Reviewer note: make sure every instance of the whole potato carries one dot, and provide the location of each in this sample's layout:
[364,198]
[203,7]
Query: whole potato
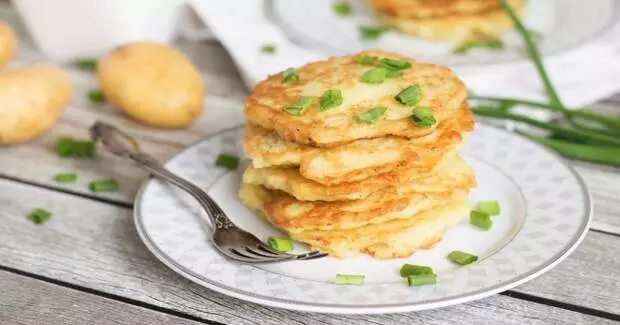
[153,83]
[31,100]
[8,43]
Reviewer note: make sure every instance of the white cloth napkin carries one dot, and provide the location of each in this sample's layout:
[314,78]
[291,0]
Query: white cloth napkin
[582,76]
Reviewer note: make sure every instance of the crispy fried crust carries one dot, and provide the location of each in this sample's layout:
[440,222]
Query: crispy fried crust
[442,91]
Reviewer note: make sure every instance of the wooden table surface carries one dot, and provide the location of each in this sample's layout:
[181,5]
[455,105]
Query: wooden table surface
[88,266]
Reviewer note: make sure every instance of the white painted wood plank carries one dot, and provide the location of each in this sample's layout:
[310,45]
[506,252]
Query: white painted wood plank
[95,245]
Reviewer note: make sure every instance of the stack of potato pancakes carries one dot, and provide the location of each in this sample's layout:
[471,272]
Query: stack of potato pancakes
[358,154]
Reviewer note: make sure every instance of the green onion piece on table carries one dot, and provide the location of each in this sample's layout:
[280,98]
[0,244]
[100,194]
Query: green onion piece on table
[290,75]
[89,64]
[268,49]
[420,280]
[300,106]
[39,216]
[409,96]
[366,60]
[423,116]
[331,98]
[343,8]
[410,269]
[370,33]
[371,116]
[480,220]
[280,244]
[66,178]
[393,64]
[489,207]
[349,279]
[96,96]
[229,162]
[374,76]
[462,258]
[69,147]
[103,185]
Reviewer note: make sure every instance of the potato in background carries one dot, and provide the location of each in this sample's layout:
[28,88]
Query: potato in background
[8,43]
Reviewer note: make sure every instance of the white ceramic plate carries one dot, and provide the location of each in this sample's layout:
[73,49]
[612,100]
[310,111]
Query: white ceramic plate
[545,206]
[563,25]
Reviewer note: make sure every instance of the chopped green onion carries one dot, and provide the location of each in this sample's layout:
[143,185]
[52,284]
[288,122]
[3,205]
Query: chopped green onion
[393,73]
[374,76]
[409,96]
[39,216]
[489,207]
[96,96]
[280,244]
[65,178]
[392,64]
[300,106]
[227,161]
[462,258]
[493,44]
[371,116]
[350,279]
[410,269]
[480,220]
[366,59]
[290,75]
[331,98]
[268,49]
[69,147]
[370,33]
[423,116]
[89,64]
[103,185]
[420,280]
[342,9]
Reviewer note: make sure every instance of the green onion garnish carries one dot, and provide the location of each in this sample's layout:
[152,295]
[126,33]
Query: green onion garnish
[480,220]
[493,44]
[89,64]
[462,258]
[423,117]
[300,106]
[280,244]
[290,75]
[489,207]
[374,76]
[65,178]
[370,33]
[103,185]
[331,98]
[96,96]
[227,161]
[342,9]
[420,280]
[69,147]
[366,59]
[410,269]
[39,216]
[393,73]
[392,64]
[409,96]
[268,49]
[350,279]
[371,116]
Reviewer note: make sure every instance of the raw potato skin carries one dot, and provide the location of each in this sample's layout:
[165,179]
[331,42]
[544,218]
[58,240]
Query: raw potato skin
[153,83]
[31,100]
[8,43]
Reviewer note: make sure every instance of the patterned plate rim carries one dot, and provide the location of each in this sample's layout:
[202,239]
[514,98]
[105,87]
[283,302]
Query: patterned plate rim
[519,279]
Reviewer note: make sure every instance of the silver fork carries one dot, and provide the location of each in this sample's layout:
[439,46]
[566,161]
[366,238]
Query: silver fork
[230,240]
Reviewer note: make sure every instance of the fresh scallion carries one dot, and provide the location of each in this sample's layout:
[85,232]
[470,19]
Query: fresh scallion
[229,162]
[423,117]
[371,116]
[410,269]
[393,64]
[89,64]
[280,244]
[342,8]
[331,98]
[366,59]
[489,207]
[268,49]
[409,96]
[103,185]
[393,73]
[300,106]
[66,178]
[480,220]
[491,43]
[69,147]
[39,216]
[371,33]
[420,280]
[290,75]
[350,279]
[462,258]
[374,76]
[96,96]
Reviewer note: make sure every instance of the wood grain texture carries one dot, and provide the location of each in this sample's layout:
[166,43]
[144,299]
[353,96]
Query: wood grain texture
[26,301]
[95,245]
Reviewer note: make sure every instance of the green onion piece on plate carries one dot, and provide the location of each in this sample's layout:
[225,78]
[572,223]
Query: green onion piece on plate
[410,269]
[409,96]
[420,280]
[280,244]
[370,33]
[366,59]
[349,279]
[343,8]
[66,178]
[331,98]
[492,44]
[489,207]
[392,64]
[300,106]
[423,116]
[89,64]
[39,216]
[374,76]
[103,185]
[69,147]
[268,49]
[371,116]
[229,162]
[480,220]
[96,96]
[290,75]
[462,258]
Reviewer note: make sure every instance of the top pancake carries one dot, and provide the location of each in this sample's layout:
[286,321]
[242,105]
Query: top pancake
[441,91]
[429,9]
